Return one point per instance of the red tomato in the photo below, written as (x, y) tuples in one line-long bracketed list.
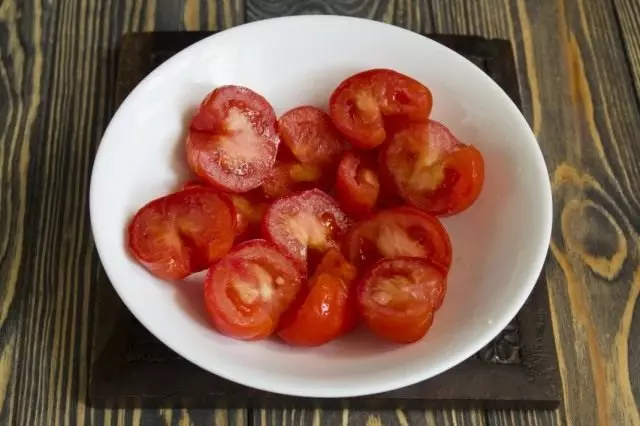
[(357, 185), (397, 297), (310, 135), (366, 102), (250, 210), (402, 231), (327, 309), (308, 221), (287, 178), (182, 233), (232, 141), (247, 291), (434, 171)]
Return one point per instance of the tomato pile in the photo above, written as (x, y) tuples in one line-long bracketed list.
[(310, 223)]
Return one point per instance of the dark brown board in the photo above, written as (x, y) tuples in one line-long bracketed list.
[(131, 368)]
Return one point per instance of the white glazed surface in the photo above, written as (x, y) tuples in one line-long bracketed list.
[(499, 244)]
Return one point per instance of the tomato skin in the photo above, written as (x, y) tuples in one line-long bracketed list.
[(327, 309), (182, 233), (246, 292), (367, 102), (357, 185), (311, 136), (434, 171), (400, 231), (306, 221), (397, 297), (232, 140)]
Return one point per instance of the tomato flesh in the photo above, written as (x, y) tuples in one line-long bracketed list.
[(402, 231), (434, 171), (182, 233), (289, 177), (304, 222), (366, 104), (246, 292), (397, 297), (357, 185), (232, 140), (311, 136), (326, 310)]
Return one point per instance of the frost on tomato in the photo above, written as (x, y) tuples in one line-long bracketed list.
[(366, 106), (246, 292), (432, 170), (182, 233), (310, 221), (232, 140), (397, 298), (402, 231)]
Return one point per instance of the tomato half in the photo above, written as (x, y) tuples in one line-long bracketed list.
[(402, 231), (311, 136), (310, 221), (182, 233), (434, 171), (397, 297), (327, 309), (357, 185), (289, 177), (246, 292), (365, 103), (232, 141)]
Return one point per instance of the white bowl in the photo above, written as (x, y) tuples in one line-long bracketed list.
[(499, 244)]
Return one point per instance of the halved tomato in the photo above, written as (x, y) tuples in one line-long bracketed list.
[(289, 177), (402, 231), (232, 141), (246, 292), (327, 309), (311, 136), (398, 297), (365, 103), (182, 233), (249, 208), (310, 221), (357, 185), (434, 171)]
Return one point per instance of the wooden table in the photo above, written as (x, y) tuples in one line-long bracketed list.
[(579, 62)]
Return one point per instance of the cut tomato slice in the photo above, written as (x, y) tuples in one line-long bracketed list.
[(247, 291), (182, 233), (304, 222), (357, 185), (327, 309), (365, 103), (232, 141), (311, 136), (434, 171), (402, 231), (289, 177), (397, 298)]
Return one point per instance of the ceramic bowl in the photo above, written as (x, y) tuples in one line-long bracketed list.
[(499, 244)]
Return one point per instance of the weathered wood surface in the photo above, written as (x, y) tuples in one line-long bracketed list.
[(580, 66)]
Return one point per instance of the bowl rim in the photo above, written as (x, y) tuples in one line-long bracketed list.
[(416, 376)]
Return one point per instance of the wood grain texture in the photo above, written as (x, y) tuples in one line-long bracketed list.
[(583, 108), (57, 74)]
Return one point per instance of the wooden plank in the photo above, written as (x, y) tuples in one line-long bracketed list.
[(59, 98), (583, 109), (627, 14)]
